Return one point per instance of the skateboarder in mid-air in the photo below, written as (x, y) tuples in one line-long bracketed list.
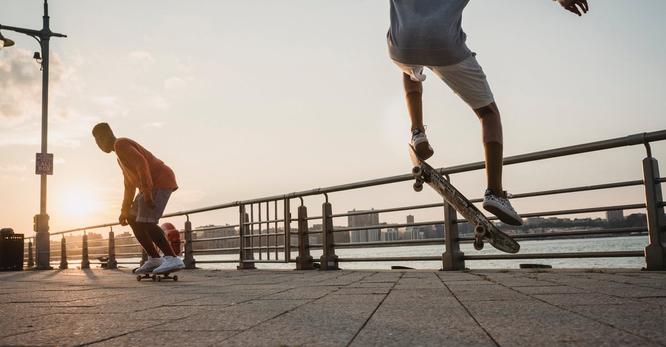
[(428, 33), (155, 181)]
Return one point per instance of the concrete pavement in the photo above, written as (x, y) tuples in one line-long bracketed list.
[(336, 308)]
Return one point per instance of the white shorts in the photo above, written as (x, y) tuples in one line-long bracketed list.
[(465, 79)]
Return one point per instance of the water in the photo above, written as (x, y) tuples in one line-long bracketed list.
[(603, 244)]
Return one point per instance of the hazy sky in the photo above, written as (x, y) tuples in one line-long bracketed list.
[(248, 98)]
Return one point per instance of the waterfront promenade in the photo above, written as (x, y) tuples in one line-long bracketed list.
[(334, 308)]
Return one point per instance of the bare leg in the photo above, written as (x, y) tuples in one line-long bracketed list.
[(491, 126), (144, 239), (413, 94), (157, 236)]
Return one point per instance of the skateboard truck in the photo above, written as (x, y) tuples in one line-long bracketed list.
[(158, 277)]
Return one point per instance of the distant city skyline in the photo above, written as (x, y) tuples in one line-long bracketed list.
[(255, 98)]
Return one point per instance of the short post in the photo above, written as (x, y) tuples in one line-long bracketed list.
[(111, 263), (304, 260), (245, 245), (329, 261), (190, 262), (63, 254), (452, 258), (31, 260), (85, 262), (287, 231), (655, 252)]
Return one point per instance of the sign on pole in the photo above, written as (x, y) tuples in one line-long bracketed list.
[(44, 164)]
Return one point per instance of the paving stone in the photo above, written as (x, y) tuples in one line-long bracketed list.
[(429, 317), (329, 321)]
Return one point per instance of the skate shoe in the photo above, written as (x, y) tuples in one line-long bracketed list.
[(149, 266), (169, 264), (500, 206), (421, 145)]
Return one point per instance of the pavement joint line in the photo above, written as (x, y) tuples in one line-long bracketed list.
[(583, 315), (375, 310), (119, 335), (276, 316), (470, 313)]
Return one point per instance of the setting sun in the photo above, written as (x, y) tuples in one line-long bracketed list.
[(78, 202)]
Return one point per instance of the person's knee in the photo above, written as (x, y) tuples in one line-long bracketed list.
[(491, 123), (412, 88)]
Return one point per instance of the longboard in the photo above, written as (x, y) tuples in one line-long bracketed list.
[(483, 228), (159, 276)]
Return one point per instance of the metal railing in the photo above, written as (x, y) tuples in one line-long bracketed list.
[(264, 231)]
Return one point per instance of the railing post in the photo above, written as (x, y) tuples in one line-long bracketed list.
[(31, 260), (304, 260), (655, 252), (85, 262), (328, 260), (111, 262), (63, 254), (452, 258), (190, 262), (246, 251), (287, 231)]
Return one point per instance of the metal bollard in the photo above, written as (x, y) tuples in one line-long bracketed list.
[(452, 258), (246, 251), (655, 252), (111, 263), (304, 261), (190, 262), (31, 260), (85, 262), (63, 254), (328, 260)]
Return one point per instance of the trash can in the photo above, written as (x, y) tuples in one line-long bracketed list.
[(11, 250)]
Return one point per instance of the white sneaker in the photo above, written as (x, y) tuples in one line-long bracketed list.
[(421, 145), (149, 266), (500, 206), (169, 264)]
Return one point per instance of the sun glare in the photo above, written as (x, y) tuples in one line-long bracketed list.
[(79, 202)]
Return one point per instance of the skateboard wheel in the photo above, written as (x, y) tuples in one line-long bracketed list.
[(478, 245), (416, 171), (154, 278), (138, 278), (175, 278), (480, 229), (159, 279), (418, 186)]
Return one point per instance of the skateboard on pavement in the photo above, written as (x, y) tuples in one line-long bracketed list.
[(484, 230), (159, 276)]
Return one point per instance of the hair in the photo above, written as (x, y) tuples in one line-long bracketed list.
[(102, 129)]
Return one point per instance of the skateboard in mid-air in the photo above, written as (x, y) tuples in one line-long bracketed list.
[(159, 276), (484, 230)]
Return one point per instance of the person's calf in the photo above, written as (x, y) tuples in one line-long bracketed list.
[(156, 234), (144, 238)]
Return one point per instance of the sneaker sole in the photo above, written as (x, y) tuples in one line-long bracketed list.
[(423, 151), (167, 271), (503, 216)]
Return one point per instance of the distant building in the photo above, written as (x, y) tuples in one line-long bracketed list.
[(360, 220), (615, 216)]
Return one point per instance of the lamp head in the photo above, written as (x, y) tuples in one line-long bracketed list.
[(5, 42)]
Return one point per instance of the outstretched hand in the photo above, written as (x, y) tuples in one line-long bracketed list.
[(576, 6)]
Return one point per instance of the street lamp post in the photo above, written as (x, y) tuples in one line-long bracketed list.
[(44, 162)]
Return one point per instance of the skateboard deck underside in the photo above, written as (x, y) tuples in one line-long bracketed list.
[(493, 235)]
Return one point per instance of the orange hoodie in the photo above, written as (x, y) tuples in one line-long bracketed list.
[(142, 170)]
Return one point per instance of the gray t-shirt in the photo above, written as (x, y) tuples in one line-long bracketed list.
[(427, 32)]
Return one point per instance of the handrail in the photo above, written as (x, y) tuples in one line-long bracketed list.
[(630, 140)]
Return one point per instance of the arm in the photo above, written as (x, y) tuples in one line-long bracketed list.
[(576, 6), (128, 197)]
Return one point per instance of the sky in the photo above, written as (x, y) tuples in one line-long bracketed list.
[(245, 99)]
